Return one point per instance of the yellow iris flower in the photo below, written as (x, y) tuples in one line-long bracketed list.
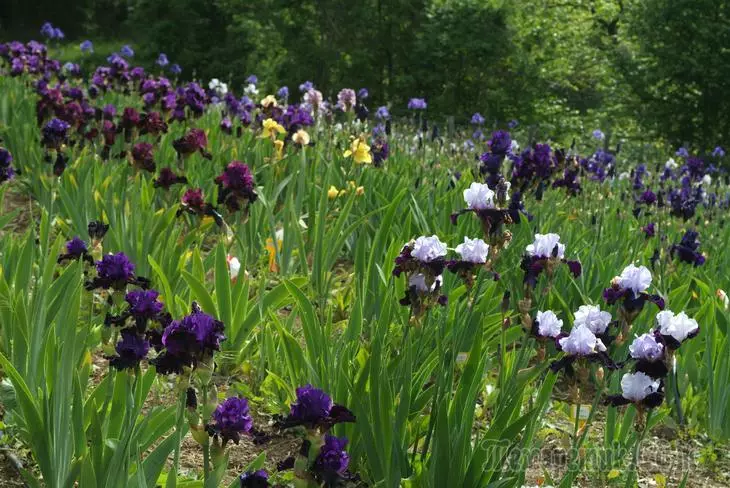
[(360, 152), (271, 129)]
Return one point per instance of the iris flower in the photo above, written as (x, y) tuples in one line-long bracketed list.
[(359, 151)]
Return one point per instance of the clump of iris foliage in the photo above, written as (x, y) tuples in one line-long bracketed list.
[(407, 302)]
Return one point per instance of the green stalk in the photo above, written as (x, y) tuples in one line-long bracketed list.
[(630, 480), (206, 446), (172, 476)]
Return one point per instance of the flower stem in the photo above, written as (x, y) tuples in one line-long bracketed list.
[(630, 480), (206, 446)]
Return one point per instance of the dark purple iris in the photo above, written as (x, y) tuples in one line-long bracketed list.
[(54, 133), (76, 247), (380, 152), (231, 419), (193, 198), (167, 178), (296, 117), (195, 333), (331, 463), (116, 270), (188, 341), (194, 141), (144, 303), (254, 479), (688, 249), (131, 349), (649, 230), (236, 186), (633, 303), (569, 181), (6, 170), (314, 408), (648, 197), (143, 157), (153, 123), (97, 229), (500, 143)]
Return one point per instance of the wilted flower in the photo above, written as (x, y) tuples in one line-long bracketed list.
[(234, 267), (675, 329), (231, 419)]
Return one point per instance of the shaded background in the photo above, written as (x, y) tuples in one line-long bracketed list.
[(645, 69)]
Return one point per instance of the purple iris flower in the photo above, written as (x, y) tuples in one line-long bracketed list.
[(688, 249), (86, 47), (175, 69), (417, 104), (254, 479), (131, 349), (315, 408), (331, 463), (477, 119), (127, 51), (162, 60), (283, 92), (231, 419)]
